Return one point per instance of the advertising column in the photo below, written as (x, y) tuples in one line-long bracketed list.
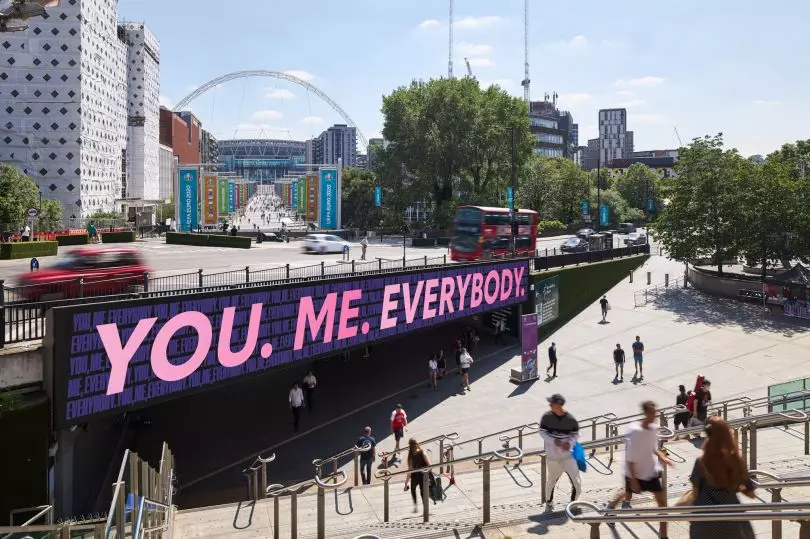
[(187, 218), (209, 200), (222, 198), (312, 199), (328, 205)]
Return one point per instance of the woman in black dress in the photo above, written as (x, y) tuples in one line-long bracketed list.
[(416, 459), (718, 475)]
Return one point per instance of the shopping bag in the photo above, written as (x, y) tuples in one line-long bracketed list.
[(578, 452)]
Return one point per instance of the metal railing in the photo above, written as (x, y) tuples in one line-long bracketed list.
[(256, 475), (775, 486), (651, 293), (386, 456)]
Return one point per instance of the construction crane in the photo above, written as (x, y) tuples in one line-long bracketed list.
[(469, 69), (675, 127), (526, 82), (450, 48)]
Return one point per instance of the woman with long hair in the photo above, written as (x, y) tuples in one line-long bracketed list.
[(416, 459), (718, 475)]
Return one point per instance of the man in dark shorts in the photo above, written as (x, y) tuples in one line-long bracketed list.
[(638, 358), (618, 360), (399, 420), (642, 472), (603, 303), (682, 416), (552, 359)]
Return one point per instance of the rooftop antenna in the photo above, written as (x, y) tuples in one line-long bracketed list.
[(554, 98), (450, 49), (526, 82)]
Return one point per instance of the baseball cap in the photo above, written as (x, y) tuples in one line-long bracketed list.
[(556, 399)]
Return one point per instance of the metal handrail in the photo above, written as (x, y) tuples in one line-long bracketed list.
[(693, 513), (318, 463), (43, 509), (440, 438), (386, 474), (253, 477), (531, 427), (337, 484)]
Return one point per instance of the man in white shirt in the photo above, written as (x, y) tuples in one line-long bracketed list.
[(465, 362), (642, 468), (296, 403), (560, 431)]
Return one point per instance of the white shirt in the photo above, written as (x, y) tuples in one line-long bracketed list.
[(466, 360), (642, 445), (296, 397), (310, 381), (432, 365)]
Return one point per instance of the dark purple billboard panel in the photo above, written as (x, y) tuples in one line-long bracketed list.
[(115, 357)]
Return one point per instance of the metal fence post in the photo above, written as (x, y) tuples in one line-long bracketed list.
[(595, 530), (804, 529), (386, 513), (543, 476), (649, 278), (288, 271), (145, 282), (776, 525), (753, 455), (806, 435), (200, 276), (276, 518), (352, 266), (321, 513), (445, 259), (81, 287), (323, 268), (294, 515), (2, 314), (486, 502), (725, 411), (744, 432), (404, 263), (631, 276), (254, 488), (425, 497), (247, 274), (441, 456), (356, 459)]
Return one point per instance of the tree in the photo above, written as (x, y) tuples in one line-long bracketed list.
[(452, 138), (619, 211), (605, 179), (554, 187), (357, 204), (50, 216), (702, 205), (638, 185), (18, 193), (793, 160)]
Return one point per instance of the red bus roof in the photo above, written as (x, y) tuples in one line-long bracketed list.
[(496, 210)]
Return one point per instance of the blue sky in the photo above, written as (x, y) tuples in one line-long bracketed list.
[(740, 67)]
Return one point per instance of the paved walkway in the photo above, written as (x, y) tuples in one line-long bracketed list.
[(737, 346)]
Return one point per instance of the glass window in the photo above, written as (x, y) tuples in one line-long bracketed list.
[(549, 152), (540, 122), (549, 138)]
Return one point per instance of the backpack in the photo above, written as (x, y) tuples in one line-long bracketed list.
[(435, 491), (399, 420)]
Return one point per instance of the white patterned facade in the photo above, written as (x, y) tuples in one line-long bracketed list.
[(63, 97), (166, 173), (143, 102)]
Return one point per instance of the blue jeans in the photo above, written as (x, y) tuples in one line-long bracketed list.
[(365, 470)]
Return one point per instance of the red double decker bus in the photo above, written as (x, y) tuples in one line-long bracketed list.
[(480, 233)]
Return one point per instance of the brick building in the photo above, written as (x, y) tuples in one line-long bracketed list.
[(181, 132)]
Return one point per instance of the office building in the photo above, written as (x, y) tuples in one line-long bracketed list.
[(262, 160), (551, 137), (143, 113), (361, 161), (314, 151), (181, 131), (663, 166), (63, 93), (374, 145), (209, 148), (656, 153), (339, 142), (165, 172), (615, 141)]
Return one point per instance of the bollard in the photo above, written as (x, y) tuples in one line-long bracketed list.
[(200, 277), (321, 513), (666, 279), (776, 525), (649, 278), (425, 497), (294, 515), (276, 518), (486, 488), (631, 276), (753, 453), (543, 476), (386, 513)]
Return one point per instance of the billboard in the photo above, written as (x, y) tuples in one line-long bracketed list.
[(329, 198), (209, 200), (312, 199), (231, 197), (222, 197), (187, 217), (528, 341), (302, 196), (109, 358), (547, 300), (294, 194)]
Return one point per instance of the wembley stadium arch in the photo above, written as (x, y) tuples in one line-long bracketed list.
[(273, 75)]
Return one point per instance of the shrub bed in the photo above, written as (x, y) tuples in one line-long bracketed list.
[(236, 242), (72, 239), (26, 249), (424, 242), (205, 240), (127, 236)]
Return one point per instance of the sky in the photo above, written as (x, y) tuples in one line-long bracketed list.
[(740, 67)]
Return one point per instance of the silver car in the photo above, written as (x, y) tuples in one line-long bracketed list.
[(636, 238), (324, 243)]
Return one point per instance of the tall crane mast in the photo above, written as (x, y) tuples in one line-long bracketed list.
[(526, 81), (450, 48), (678, 135), (469, 69)]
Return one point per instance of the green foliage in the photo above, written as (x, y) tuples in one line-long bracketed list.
[(605, 180), (544, 226), (235, 242), (619, 211), (127, 236), (72, 239), (165, 211), (358, 210), (183, 238), (50, 216), (27, 249), (206, 240), (99, 215), (554, 187), (18, 192), (450, 139), (9, 402), (637, 185)]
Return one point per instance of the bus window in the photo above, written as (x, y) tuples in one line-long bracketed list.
[(496, 219)]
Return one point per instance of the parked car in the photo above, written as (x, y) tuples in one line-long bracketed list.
[(626, 228), (102, 272), (585, 233), (270, 236), (574, 245), (324, 243), (636, 238)]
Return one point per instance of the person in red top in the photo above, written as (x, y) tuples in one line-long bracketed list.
[(399, 420)]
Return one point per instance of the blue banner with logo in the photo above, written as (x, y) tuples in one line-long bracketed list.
[(378, 196), (650, 204), (586, 207), (604, 215), (187, 218), (510, 198), (294, 201), (231, 197), (329, 198)]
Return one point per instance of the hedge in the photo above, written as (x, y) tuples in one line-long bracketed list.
[(72, 239), (127, 236), (424, 242), (28, 249), (206, 240)]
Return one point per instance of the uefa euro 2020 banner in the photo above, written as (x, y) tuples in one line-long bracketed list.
[(189, 197), (110, 358), (329, 198), (222, 197)]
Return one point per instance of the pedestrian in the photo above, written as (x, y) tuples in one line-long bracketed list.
[(618, 360), (682, 413), (458, 355), (363, 247), (717, 476), (26, 233), (346, 252), (92, 233), (642, 467), (560, 431), (638, 358), (703, 399), (466, 362), (605, 307), (552, 359), (441, 363), (416, 459), (500, 325), (296, 403), (310, 382), (399, 420), (433, 371), (366, 456)]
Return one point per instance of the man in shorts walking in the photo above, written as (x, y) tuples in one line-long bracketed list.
[(399, 420), (642, 471), (638, 358), (618, 360)]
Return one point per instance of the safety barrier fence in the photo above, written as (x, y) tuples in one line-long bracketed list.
[(745, 429), (651, 293), (23, 308)]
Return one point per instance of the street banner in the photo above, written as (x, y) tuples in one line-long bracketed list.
[(302, 196), (209, 199), (650, 204), (244, 194), (222, 197), (231, 197), (528, 341), (294, 190), (289, 195), (187, 218), (510, 198), (329, 198), (378, 196), (604, 215), (312, 199), (586, 207)]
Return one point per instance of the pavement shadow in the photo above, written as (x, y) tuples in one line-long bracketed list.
[(544, 523), (520, 389), (694, 307)]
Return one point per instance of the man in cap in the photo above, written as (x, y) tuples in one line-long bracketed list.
[(560, 431)]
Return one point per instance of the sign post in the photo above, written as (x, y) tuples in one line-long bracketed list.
[(510, 198)]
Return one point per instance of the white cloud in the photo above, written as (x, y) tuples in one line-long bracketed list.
[(626, 93), (640, 82), (631, 104), (568, 100), (279, 94), (165, 101), (645, 118), (267, 115), (303, 75), (477, 22), (473, 49), (480, 62), (578, 41), (312, 120), (767, 103), (429, 23)]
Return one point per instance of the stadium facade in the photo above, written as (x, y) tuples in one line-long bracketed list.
[(262, 160)]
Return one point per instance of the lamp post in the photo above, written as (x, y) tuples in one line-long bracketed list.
[(599, 185), (514, 185)]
